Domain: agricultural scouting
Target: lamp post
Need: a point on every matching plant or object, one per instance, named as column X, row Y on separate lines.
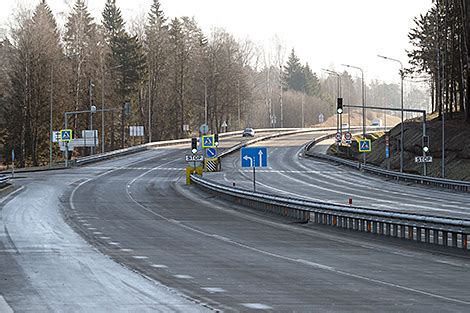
column 363, row 104
column 102, row 103
column 401, row 103
column 339, row 125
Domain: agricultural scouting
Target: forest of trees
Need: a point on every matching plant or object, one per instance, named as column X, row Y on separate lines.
column 157, row 72
column 440, row 50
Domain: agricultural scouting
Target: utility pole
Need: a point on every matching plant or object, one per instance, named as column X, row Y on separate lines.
column 50, row 116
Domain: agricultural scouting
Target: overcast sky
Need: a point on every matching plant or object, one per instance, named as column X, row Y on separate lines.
column 325, row 33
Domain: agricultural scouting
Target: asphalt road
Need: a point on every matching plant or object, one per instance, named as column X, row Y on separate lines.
column 169, row 247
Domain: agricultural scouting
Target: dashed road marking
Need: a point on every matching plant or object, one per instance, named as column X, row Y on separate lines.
column 159, row 266
column 257, row 306
column 214, row 290
column 140, row 257
column 183, row 276
column 105, row 238
column 114, row 243
column 126, row 250
column 97, row 233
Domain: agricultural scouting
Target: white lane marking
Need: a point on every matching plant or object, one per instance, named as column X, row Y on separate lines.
column 97, row 233
column 214, row 289
column 105, row 238
column 257, row 306
column 4, row 307
column 308, row 263
column 140, row 257
column 183, row 276
column 9, row 196
column 126, row 250
column 91, row 228
column 159, row 266
column 114, row 243
column 370, row 182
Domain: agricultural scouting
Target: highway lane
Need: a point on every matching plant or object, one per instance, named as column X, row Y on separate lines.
column 45, row 266
column 292, row 175
column 230, row 258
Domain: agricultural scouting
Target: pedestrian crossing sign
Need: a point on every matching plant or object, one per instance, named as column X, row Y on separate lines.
column 365, row 145
column 208, row 141
column 66, row 135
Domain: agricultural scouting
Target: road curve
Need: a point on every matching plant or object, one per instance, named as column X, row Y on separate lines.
column 210, row 254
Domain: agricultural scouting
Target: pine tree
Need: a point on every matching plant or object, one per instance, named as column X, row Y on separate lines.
column 293, row 76
column 112, row 20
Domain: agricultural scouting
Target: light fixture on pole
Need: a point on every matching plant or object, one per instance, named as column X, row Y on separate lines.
column 402, row 107
column 363, row 104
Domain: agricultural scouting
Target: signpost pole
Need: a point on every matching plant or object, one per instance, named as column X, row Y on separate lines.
column 254, row 178
column 13, row 163
column 424, row 152
column 66, row 143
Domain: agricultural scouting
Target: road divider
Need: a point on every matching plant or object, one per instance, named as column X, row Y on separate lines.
column 428, row 229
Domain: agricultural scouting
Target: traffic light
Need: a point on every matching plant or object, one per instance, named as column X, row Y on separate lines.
column 194, row 145
column 216, row 140
column 425, row 143
column 339, row 107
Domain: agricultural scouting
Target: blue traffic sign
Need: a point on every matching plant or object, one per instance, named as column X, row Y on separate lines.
column 254, row 157
column 364, row 145
column 66, row 135
column 211, row 152
column 208, row 141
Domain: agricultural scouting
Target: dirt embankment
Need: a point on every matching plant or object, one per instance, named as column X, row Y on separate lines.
column 457, row 147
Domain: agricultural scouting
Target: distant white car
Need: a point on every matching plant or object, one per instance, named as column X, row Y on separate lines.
column 248, row 132
column 376, row 122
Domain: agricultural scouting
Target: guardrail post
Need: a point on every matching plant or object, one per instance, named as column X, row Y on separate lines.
column 464, row 241
column 445, row 238
column 335, row 220
column 402, row 231
column 454, row 240
column 435, row 236
column 418, row 234
column 375, row 226
column 410, row 232
column 387, row 229
column 427, row 238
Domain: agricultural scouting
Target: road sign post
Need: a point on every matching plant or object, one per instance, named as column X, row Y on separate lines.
column 12, row 163
column 254, row 157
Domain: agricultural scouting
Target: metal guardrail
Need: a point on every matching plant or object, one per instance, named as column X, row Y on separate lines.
column 3, row 180
column 143, row 147
column 421, row 228
column 419, row 179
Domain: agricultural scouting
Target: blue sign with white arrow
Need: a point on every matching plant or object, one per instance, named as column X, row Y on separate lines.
column 211, row 152
column 254, row 157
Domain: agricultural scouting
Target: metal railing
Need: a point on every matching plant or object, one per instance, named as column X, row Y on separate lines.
column 4, row 180
column 419, row 179
column 420, row 228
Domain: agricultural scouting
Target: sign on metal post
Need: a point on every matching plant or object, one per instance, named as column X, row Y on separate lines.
column 66, row 135
column 348, row 138
column 321, row 118
column 208, row 141
column 423, row 159
column 338, row 137
column 211, row 152
column 136, row 131
column 194, row 158
column 204, row 129
column 365, row 145
column 254, row 157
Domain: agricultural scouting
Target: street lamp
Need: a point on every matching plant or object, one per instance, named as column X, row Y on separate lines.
column 205, row 96
column 402, row 73
column 339, row 125
column 363, row 104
